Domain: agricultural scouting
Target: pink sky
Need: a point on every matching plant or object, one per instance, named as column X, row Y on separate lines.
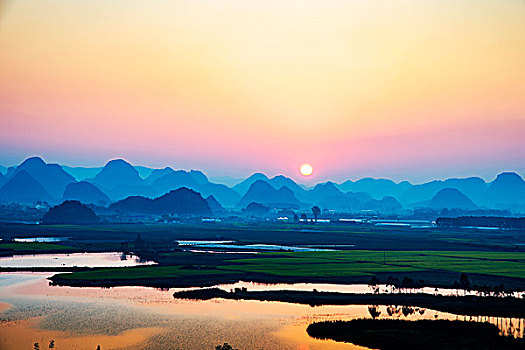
column 415, row 90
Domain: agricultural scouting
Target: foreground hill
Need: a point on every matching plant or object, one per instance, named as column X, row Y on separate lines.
column 70, row 212
column 182, row 201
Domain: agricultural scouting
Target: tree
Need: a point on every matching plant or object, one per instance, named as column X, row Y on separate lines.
column 295, row 218
column 316, row 211
column 463, row 281
column 374, row 311
column 225, row 346
column 374, row 281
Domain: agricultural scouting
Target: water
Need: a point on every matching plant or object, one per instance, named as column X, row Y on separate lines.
column 148, row 318
column 41, row 239
column 349, row 288
column 112, row 259
column 227, row 245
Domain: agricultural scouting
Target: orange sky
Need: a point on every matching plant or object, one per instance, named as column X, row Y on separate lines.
column 406, row 89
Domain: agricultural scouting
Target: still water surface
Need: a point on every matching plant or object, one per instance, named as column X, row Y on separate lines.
column 148, row 318
column 111, row 259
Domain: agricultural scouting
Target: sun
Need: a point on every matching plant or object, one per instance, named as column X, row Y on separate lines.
column 306, row 170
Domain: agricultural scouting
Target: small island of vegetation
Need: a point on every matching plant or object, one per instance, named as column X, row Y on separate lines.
column 415, row 335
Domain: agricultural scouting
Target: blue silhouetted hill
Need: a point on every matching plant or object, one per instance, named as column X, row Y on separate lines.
column 81, row 173
column 157, row 174
column 328, row 196
column 119, row 179
column 277, row 182
column 70, row 213
column 23, row 188
column 323, row 191
column 194, row 180
column 51, row 176
column 262, row 192
column 243, row 186
column 256, row 209
column 215, row 206
column 473, row 187
column 281, row 181
column 118, row 171
column 86, row 192
column 377, row 188
column 507, row 188
column 388, row 205
column 451, row 198
column 199, row 176
column 182, row 201
column 173, row 180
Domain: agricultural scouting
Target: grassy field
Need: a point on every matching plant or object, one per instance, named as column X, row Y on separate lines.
column 356, row 262
column 141, row 272
column 436, row 256
column 310, row 266
column 36, row 247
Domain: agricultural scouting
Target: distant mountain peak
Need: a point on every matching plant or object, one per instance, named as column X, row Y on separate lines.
column 509, row 177
column 33, row 162
column 214, row 203
column 85, row 192
column 119, row 162
column 23, row 188
column 117, row 171
column 451, row 198
column 262, row 192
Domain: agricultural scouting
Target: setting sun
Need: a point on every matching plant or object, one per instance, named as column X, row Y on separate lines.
column 306, row 170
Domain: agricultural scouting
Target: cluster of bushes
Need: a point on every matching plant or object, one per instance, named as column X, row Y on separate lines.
column 482, row 221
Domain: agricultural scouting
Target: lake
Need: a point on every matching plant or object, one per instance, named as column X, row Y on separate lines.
column 148, row 318
column 111, row 259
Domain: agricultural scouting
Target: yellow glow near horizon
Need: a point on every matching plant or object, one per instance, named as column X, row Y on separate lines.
column 371, row 85
column 306, row 170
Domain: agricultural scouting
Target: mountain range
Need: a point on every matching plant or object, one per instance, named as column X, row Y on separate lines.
column 35, row 180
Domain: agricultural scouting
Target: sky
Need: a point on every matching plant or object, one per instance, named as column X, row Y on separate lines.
column 404, row 89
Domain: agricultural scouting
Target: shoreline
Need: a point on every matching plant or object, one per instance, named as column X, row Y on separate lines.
column 460, row 305
column 211, row 280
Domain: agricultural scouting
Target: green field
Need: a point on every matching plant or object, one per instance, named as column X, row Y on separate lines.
column 36, row 247
column 307, row 265
column 140, row 272
column 355, row 262
column 435, row 256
